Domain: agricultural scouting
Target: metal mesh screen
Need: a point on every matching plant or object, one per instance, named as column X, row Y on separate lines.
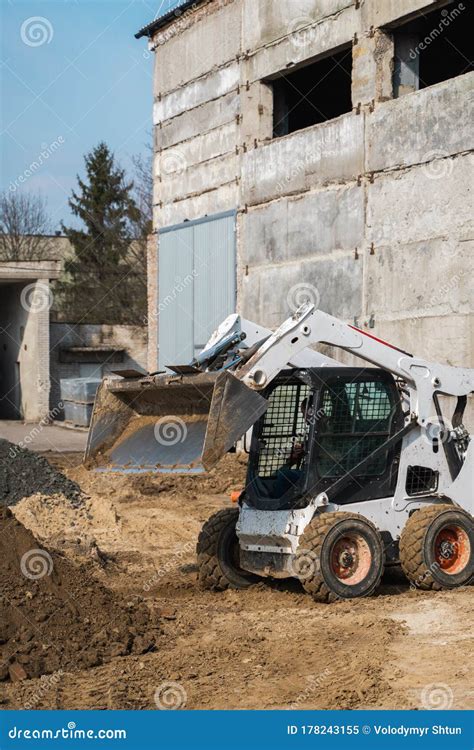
column 354, row 420
column 421, row 479
column 284, row 428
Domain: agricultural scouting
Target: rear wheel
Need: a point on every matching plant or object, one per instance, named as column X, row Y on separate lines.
column 340, row 555
column 218, row 553
column 437, row 547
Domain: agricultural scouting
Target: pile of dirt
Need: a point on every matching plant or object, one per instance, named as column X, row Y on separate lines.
column 228, row 475
column 23, row 473
column 53, row 520
column 55, row 616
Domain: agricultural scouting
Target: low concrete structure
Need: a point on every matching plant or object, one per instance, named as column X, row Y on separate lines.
column 92, row 351
column 25, row 302
column 368, row 212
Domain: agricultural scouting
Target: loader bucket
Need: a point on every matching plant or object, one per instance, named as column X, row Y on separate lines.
column 168, row 423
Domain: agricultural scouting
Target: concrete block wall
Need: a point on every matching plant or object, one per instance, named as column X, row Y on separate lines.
column 131, row 339
column 370, row 212
column 25, row 301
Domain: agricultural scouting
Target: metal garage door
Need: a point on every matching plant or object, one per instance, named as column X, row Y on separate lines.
column 196, row 284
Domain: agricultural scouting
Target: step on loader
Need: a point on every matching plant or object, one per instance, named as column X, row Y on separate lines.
column 350, row 469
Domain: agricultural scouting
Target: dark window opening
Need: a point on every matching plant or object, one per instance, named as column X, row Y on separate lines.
column 312, row 94
column 353, row 421
column 433, row 47
column 420, row 480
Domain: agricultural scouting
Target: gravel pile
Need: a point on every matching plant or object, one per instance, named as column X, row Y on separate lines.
column 23, row 473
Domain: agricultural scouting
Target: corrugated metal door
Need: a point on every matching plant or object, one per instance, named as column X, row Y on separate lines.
column 196, row 285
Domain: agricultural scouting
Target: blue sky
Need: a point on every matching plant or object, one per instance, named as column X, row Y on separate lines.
column 72, row 73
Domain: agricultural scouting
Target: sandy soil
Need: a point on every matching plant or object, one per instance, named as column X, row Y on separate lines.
column 266, row 647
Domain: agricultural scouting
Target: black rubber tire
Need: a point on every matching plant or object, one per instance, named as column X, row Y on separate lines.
column 315, row 551
column 217, row 549
column 418, row 547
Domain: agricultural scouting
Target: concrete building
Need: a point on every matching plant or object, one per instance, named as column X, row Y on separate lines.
column 315, row 149
column 38, row 349
column 92, row 351
column 25, row 301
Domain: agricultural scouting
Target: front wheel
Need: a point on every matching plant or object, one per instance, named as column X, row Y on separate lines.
column 437, row 547
column 340, row 556
column 218, row 553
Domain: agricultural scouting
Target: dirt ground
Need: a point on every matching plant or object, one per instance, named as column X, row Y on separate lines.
column 269, row 647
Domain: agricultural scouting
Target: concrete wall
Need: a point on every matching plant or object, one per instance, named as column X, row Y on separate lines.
column 64, row 336
column 369, row 214
column 24, row 353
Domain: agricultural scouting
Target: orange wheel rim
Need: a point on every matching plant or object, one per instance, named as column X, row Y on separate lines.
column 452, row 549
column 351, row 559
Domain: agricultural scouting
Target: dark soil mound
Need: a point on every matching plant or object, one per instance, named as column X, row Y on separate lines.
column 23, row 473
column 55, row 616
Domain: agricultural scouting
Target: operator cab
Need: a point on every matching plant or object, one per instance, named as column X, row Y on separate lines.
column 319, row 425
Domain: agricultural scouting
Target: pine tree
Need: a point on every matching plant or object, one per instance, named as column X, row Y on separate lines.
column 103, row 284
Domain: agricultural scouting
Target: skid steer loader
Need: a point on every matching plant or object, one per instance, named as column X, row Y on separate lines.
column 350, row 469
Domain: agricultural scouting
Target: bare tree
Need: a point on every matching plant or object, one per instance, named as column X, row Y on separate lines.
column 24, row 222
column 143, row 184
column 143, row 226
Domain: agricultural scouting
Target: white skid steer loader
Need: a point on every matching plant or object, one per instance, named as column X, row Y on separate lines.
column 350, row 469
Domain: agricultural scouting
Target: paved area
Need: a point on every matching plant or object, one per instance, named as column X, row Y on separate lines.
column 42, row 438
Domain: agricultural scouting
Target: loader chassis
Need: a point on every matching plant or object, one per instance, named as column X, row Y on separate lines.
column 353, row 412
column 349, row 468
